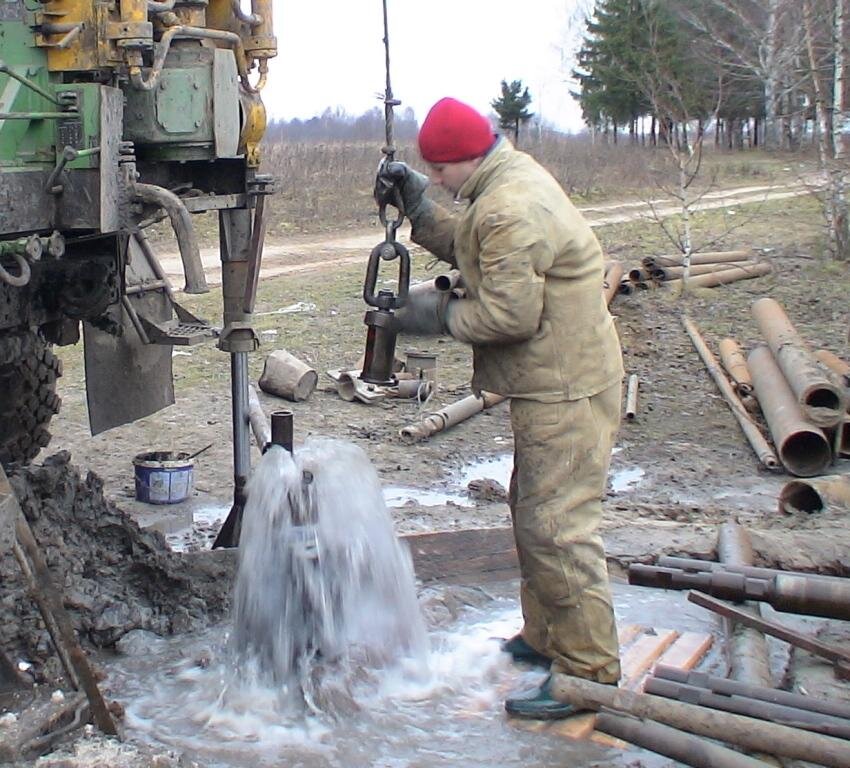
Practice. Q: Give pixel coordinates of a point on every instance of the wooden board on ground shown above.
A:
(474, 554)
(640, 649)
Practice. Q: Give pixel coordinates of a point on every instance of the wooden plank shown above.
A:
(628, 632)
(641, 654)
(687, 651)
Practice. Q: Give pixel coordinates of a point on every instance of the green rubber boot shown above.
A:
(521, 651)
(539, 704)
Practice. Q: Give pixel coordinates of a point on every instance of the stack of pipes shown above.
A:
(706, 270)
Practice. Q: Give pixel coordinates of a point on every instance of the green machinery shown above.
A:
(115, 114)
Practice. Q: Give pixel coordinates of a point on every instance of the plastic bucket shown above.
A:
(163, 477)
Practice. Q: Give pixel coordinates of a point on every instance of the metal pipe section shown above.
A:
(732, 357)
(241, 420)
(725, 276)
(803, 449)
(816, 494)
(258, 421)
(746, 732)
(632, 397)
(181, 222)
(821, 400)
(612, 281)
(452, 414)
(751, 431)
(727, 687)
(670, 742)
(750, 571)
(763, 710)
(835, 364)
(706, 257)
(282, 429)
(671, 273)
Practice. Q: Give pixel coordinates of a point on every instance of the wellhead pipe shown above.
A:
(821, 400)
(802, 448)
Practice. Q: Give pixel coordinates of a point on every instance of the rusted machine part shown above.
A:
(725, 276)
(835, 364)
(725, 687)
(746, 732)
(764, 710)
(815, 494)
(452, 414)
(789, 594)
(750, 429)
(802, 448)
(821, 400)
(670, 742)
(750, 571)
(612, 281)
(698, 259)
(632, 397)
(184, 231)
(674, 272)
(732, 357)
(835, 655)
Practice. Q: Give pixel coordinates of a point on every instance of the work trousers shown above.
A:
(561, 456)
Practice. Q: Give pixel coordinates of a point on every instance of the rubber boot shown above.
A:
(521, 651)
(539, 704)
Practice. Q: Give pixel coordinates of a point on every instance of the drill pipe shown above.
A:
(708, 257)
(822, 401)
(452, 414)
(612, 281)
(732, 357)
(815, 494)
(751, 431)
(789, 594)
(803, 449)
(761, 693)
(750, 571)
(764, 710)
(671, 273)
(731, 275)
(670, 742)
(747, 732)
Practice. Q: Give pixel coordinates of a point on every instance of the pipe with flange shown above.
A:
(751, 431)
(764, 710)
(815, 494)
(726, 687)
(683, 747)
(750, 571)
(802, 448)
(746, 732)
(705, 257)
(822, 402)
(452, 414)
(732, 357)
(789, 594)
(725, 276)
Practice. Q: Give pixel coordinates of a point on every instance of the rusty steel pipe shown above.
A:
(750, 571)
(764, 710)
(835, 364)
(732, 357)
(452, 414)
(815, 494)
(683, 747)
(613, 279)
(746, 732)
(789, 594)
(821, 400)
(727, 687)
(632, 397)
(639, 275)
(725, 276)
(802, 448)
(750, 429)
(698, 259)
(671, 273)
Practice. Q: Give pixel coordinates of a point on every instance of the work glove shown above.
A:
(425, 313)
(411, 185)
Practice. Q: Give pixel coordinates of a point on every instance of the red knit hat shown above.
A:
(454, 132)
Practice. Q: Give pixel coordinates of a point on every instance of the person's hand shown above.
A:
(396, 182)
(425, 313)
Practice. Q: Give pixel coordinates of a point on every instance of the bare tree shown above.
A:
(824, 28)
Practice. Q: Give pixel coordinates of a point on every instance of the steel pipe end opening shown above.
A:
(806, 453)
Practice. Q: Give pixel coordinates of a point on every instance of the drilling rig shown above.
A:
(116, 114)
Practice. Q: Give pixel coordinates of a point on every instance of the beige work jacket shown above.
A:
(533, 269)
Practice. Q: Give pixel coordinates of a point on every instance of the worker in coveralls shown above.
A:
(542, 336)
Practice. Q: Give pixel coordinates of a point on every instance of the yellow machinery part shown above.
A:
(253, 126)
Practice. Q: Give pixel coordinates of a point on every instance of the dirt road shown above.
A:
(310, 253)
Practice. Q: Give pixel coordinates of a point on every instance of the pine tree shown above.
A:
(511, 107)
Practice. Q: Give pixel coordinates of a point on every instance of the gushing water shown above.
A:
(324, 589)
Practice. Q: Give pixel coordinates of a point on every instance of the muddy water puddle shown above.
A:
(185, 694)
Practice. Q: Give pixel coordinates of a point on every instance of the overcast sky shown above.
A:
(331, 55)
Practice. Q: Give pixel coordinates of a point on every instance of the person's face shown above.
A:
(452, 176)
